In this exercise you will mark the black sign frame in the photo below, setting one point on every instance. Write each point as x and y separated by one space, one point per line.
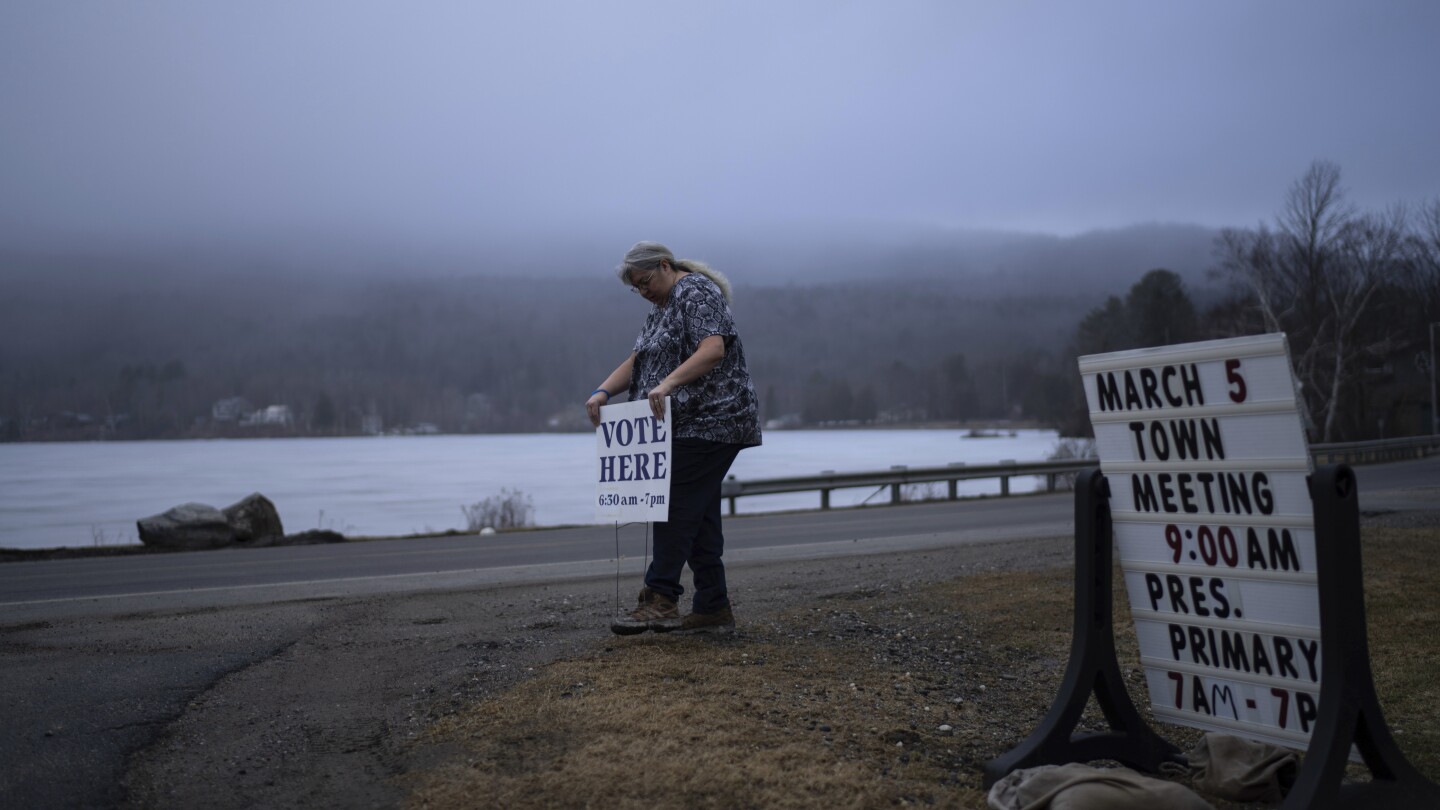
1349 714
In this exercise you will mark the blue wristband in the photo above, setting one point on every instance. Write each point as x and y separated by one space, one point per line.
601 391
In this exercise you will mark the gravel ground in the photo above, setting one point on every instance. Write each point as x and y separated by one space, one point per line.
335 717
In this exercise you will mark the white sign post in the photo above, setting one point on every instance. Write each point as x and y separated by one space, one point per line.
1207 464
632 464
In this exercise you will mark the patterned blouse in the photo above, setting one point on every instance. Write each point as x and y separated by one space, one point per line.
720 406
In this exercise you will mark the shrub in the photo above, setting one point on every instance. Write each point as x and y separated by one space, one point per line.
1068 449
511 509
919 493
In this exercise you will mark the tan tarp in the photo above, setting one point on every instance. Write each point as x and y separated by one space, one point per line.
1082 787
1243 770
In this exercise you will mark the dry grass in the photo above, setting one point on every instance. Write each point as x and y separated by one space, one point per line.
842 702
716 726
1402 609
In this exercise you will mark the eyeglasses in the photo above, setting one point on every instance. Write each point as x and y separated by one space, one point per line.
642 283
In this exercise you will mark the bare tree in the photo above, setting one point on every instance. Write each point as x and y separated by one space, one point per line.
1315 277
1314 215
1370 251
1423 247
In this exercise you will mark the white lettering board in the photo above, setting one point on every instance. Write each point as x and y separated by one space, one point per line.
632 464
1206 459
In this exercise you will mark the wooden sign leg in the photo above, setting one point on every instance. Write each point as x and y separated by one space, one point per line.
1349 713
1093 667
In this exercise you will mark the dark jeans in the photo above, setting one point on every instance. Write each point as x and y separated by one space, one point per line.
692 534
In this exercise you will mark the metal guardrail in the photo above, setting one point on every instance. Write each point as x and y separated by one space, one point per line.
898 477
1376 451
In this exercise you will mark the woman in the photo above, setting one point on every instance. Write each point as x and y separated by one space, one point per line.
688 351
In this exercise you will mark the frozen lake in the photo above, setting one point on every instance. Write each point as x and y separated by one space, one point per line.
82 494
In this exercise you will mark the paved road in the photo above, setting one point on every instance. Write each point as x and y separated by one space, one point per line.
1400 486
40 590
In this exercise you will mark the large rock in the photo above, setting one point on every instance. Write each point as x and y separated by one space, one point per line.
188 526
255 520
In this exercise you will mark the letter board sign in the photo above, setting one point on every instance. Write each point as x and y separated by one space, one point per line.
1206 459
632 464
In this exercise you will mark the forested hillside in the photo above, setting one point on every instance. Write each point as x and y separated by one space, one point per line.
929 329
103 353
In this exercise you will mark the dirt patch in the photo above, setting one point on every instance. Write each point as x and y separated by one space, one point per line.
862 696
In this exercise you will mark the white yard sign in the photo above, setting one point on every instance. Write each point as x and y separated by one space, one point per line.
632 465
1214 529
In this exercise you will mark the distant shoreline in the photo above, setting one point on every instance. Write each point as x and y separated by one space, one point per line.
976 425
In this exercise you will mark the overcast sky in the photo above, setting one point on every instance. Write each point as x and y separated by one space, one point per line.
450 124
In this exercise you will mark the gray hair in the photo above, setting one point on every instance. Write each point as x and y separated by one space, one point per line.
645 256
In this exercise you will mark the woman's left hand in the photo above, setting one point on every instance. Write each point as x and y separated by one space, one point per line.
593 405
657 398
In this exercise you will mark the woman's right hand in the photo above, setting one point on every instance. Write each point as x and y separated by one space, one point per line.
592 406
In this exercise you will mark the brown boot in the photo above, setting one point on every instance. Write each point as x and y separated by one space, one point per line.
654 612
721 621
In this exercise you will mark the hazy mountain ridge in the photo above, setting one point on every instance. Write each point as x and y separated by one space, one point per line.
149 345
